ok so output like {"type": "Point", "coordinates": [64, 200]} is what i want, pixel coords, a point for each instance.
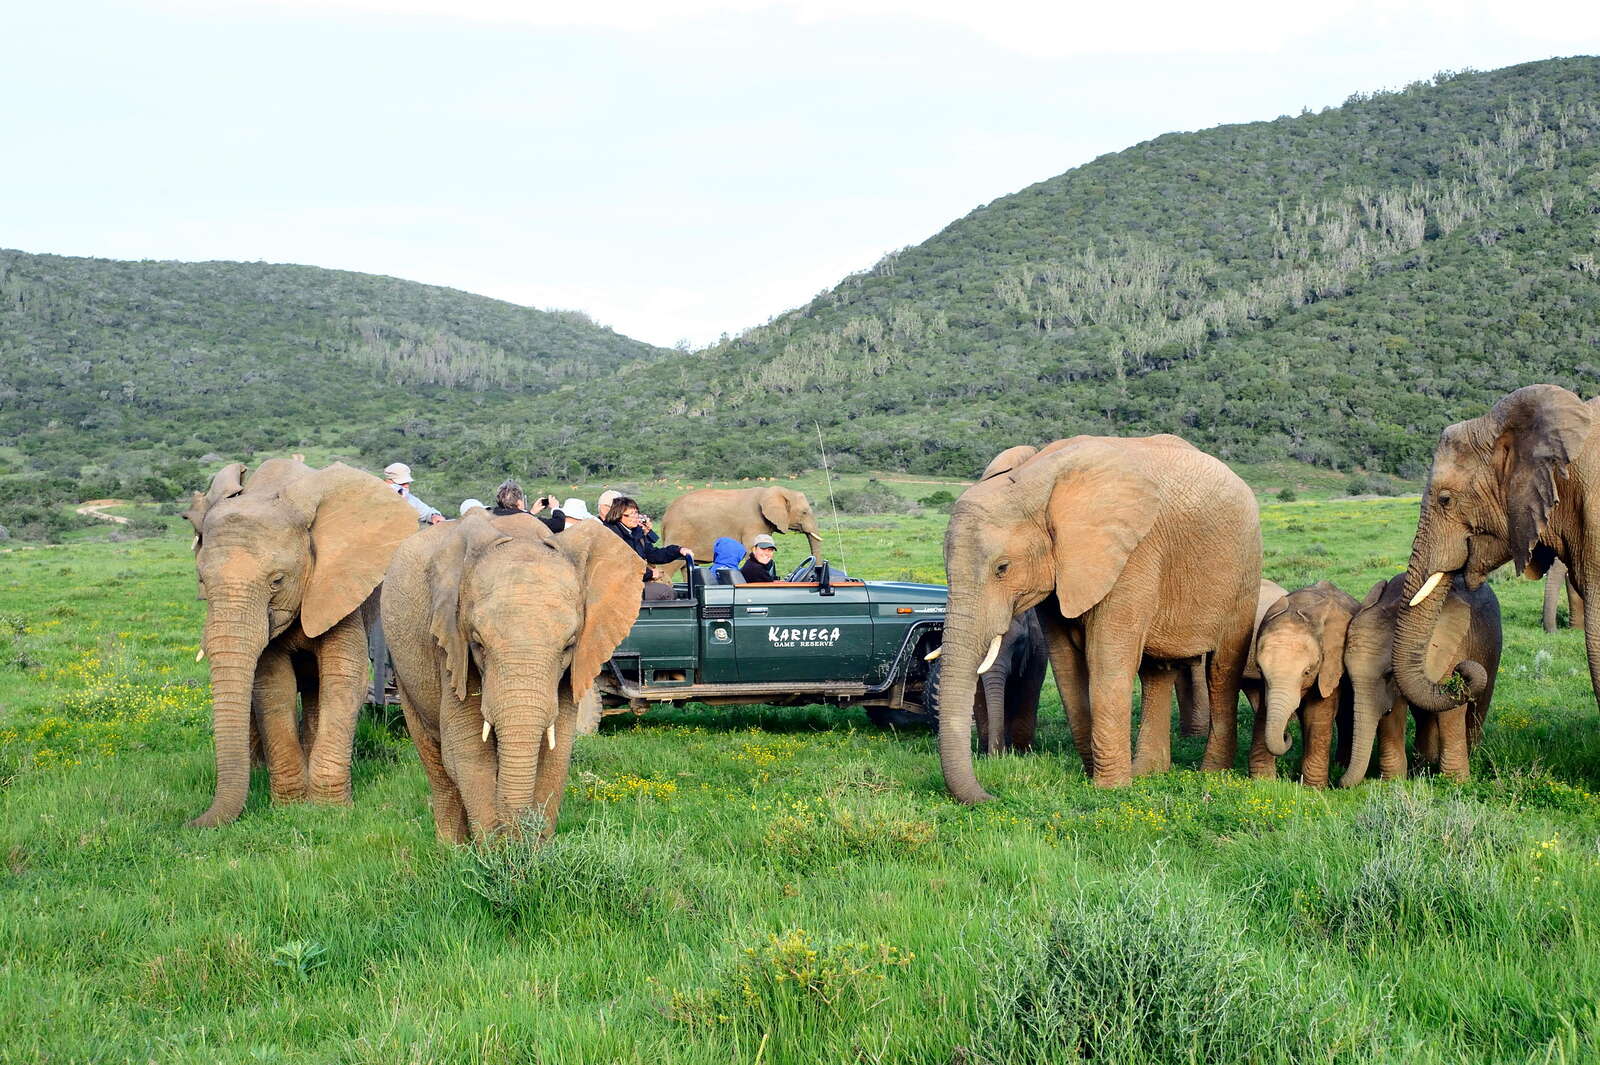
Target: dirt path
{"type": "Point", "coordinates": [95, 508]}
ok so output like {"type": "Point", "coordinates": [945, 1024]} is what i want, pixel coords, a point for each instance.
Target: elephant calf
{"type": "Point", "coordinates": [1465, 638]}
{"type": "Point", "coordinates": [1007, 708]}
{"type": "Point", "coordinates": [1298, 657]}
{"type": "Point", "coordinates": [498, 628]}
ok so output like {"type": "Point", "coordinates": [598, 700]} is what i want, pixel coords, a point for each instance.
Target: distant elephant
{"type": "Point", "coordinates": [1520, 484]}
{"type": "Point", "coordinates": [1007, 706]}
{"type": "Point", "coordinates": [1298, 658]}
{"type": "Point", "coordinates": [1554, 581]}
{"type": "Point", "coordinates": [695, 519]}
{"type": "Point", "coordinates": [1467, 631]}
{"type": "Point", "coordinates": [286, 556]}
{"type": "Point", "coordinates": [498, 628]}
{"type": "Point", "coordinates": [1151, 545]}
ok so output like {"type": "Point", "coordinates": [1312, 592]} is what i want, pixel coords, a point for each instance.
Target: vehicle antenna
{"type": "Point", "coordinates": [837, 536]}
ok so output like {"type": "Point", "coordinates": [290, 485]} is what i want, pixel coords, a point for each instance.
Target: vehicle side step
{"type": "Point", "coordinates": [696, 691]}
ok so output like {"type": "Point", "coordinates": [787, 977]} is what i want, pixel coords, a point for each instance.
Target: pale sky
{"type": "Point", "coordinates": [677, 170]}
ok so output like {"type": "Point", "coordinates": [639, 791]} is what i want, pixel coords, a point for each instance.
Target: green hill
{"type": "Point", "coordinates": [1330, 288]}
{"type": "Point", "coordinates": [118, 378]}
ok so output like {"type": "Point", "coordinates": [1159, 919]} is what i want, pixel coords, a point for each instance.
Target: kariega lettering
{"type": "Point", "coordinates": [818, 637]}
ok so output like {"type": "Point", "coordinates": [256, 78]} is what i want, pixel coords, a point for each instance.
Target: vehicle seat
{"type": "Point", "coordinates": [697, 579]}
{"type": "Point", "coordinates": [730, 576]}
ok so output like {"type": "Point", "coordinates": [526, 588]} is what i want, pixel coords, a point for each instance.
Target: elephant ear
{"type": "Point", "coordinates": [225, 484]}
{"type": "Point", "coordinates": [610, 578]}
{"type": "Point", "coordinates": [1336, 612]}
{"type": "Point", "coordinates": [355, 524]}
{"type": "Point", "coordinates": [1447, 645]}
{"type": "Point", "coordinates": [1541, 429]}
{"type": "Point", "coordinates": [1008, 460]}
{"type": "Point", "coordinates": [774, 504]}
{"type": "Point", "coordinates": [1374, 594]}
{"type": "Point", "coordinates": [1100, 504]}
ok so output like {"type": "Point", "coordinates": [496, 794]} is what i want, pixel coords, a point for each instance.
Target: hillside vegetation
{"type": "Point", "coordinates": [1330, 288]}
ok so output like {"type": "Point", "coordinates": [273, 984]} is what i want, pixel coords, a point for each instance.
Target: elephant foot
{"type": "Point", "coordinates": [288, 793]}
{"type": "Point", "coordinates": [208, 820]}
{"type": "Point", "coordinates": [331, 794]}
{"type": "Point", "coordinates": [1143, 767]}
{"type": "Point", "coordinates": [1263, 770]}
{"type": "Point", "coordinates": [1120, 777]}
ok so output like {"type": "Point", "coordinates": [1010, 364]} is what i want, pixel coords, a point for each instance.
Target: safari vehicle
{"type": "Point", "coordinates": [815, 637]}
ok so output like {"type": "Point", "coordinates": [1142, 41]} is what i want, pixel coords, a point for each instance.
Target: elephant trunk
{"type": "Point", "coordinates": [1413, 630]}
{"type": "Point", "coordinates": [958, 680]}
{"type": "Point", "coordinates": [1282, 700]}
{"type": "Point", "coordinates": [1368, 712]}
{"type": "Point", "coordinates": [235, 635]}
{"type": "Point", "coordinates": [520, 700]}
{"type": "Point", "coordinates": [994, 697]}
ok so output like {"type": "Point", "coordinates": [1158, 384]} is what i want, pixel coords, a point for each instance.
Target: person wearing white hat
{"type": "Point", "coordinates": [468, 504]}
{"type": "Point", "coordinates": [576, 510]}
{"type": "Point", "coordinates": [398, 476]}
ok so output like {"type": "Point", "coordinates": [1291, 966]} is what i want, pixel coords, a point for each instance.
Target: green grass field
{"type": "Point", "coordinates": [761, 885]}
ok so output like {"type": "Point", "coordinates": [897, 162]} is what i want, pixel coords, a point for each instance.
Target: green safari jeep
{"type": "Point", "coordinates": [816, 637]}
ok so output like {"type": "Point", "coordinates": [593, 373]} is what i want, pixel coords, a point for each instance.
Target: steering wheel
{"type": "Point", "coordinates": [803, 572]}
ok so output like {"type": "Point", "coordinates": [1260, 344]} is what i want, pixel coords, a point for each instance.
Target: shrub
{"type": "Point", "coordinates": [941, 498]}
{"type": "Point", "coordinates": [1287, 495]}
{"type": "Point", "coordinates": [1133, 974]}
{"type": "Point", "coordinates": [874, 497]}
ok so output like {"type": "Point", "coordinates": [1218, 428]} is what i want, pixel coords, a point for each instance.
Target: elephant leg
{"type": "Point", "coordinates": [1223, 674]}
{"type": "Point", "coordinates": [1453, 744]}
{"type": "Point", "coordinates": [550, 780]}
{"type": "Point", "coordinates": [469, 759]}
{"type": "Point", "coordinates": [273, 698]}
{"type": "Point", "coordinates": [1575, 606]}
{"type": "Point", "coordinates": [1316, 734]}
{"type": "Point", "coordinates": [1263, 763]}
{"type": "Point", "coordinates": [1022, 708]}
{"type": "Point", "coordinates": [1554, 579]}
{"type": "Point", "coordinates": [449, 818]}
{"type": "Point", "coordinates": [1591, 642]}
{"type": "Point", "coordinates": [1154, 754]}
{"type": "Point", "coordinates": [341, 689]}
{"type": "Point", "coordinates": [1392, 742]}
{"type": "Point", "coordinates": [1072, 681]}
{"type": "Point", "coordinates": [1113, 663]}
{"type": "Point", "coordinates": [1194, 711]}
{"type": "Point", "coordinates": [1427, 738]}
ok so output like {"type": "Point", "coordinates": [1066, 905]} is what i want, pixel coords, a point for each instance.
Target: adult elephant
{"type": "Point", "coordinates": [1151, 545]}
{"type": "Point", "coordinates": [1466, 638]}
{"type": "Point", "coordinates": [286, 556]}
{"type": "Point", "coordinates": [498, 628]}
{"type": "Point", "coordinates": [1517, 484]}
{"type": "Point", "coordinates": [1298, 658]}
{"type": "Point", "coordinates": [695, 519]}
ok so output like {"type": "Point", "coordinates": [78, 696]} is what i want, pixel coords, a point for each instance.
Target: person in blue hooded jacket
{"type": "Point", "coordinates": [726, 553]}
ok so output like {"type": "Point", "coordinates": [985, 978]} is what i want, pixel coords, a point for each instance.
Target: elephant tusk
{"type": "Point", "coordinates": [486, 732]}
{"type": "Point", "coordinates": [931, 655]}
{"type": "Point", "coordinates": [550, 735]}
{"type": "Point", "coordinates": [198, 655]}
{"type": "Point", "coordinates": [1427, 588]}
{"type": "Point", "coordinates": [988, 659]}
{"type": "Point", "coordinates": [196, 545]}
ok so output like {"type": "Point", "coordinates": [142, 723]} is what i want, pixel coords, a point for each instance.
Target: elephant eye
{"type": "Point", "coordinates": [1001, 568]}
{"type": "Point", "coordinates": [1444, 499]}
{"type": "Point", "coordinates": [278, 579]}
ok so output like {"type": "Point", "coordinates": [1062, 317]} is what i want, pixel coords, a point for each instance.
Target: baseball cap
{"type": "Point", "coordinates": [607, 496]}
{"type": "Point", "coordinates": [398, 472]}
{"type": "Point", "coordinates": [763, 541]}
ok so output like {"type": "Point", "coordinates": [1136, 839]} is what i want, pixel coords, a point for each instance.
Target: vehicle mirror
{"type": "Point", "coordinates": [824, 579]}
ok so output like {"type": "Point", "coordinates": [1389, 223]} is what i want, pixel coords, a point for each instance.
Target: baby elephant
{"type": "Point", "coordinates": [498, 628]}
{"type": "Point", "coordinates": [1465, 640]}
{"type": "Point", "coordinates": [1007, 707]}
{"type": "Point", "coordinates": [1298, 656]}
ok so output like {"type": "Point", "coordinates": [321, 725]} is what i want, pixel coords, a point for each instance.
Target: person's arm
{"type": "Point", "coordinates": [660, 556]}
{"type": "Point", "coordinates": [556, 521]}
{"type": "Point", "coordinates": [424, 512]}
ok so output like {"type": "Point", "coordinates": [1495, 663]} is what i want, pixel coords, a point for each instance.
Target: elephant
{"type": "Point", "coordinates": [1298, 660]}
{"type": "Point", "coordinates": [697, 518]}
{"type": "Point", "coordinates": [1515, 484]}
{"type": "Point", "coordinates": [498, 628]}
{"type": "Point", "coordinates": [286, 556]}
{"type": "Point", "coordinates": [1007, 706]}
{"type": "Point", "coordinates": [1150, 546]}
{"type": "Point", "coordinates": [1467, 629]}
{"type": "Point", "coordinates": [1553, 582]}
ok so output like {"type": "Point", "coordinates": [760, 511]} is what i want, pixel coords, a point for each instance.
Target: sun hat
{"type": "Point", "coordinates": [763, 541]}
{"type": "Point", "coordinates": [575, 510]}
{"type": "Point", "coordinates": [398, 472]}
{"type": "Point", "coordinates": [468, 504]}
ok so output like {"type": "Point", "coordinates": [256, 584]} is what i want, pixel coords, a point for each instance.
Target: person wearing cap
{"type": "Point", "coordinates": [604, 503]}
{"type": "Point", "coordinates": [623, 519]}
{"type": "Point", "coordinates": [759, 568]}
{"type": "Point", "coordinates": [398, 476]}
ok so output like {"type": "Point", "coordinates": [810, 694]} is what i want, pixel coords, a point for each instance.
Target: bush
{"type": "Point", "coordinates": [941, 498]}
{"type": "Point", "coordinates": [1132, 974]}
{"type": "Point", "coordinates": [1287, 495]}
{"type": "Point", "coordinates": [874, 497]}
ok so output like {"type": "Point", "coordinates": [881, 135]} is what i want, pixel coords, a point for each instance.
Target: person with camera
{"type": "Point", "coordinates": [509, 498]}
{"type": "Point", "coordinates": [625, 519]}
